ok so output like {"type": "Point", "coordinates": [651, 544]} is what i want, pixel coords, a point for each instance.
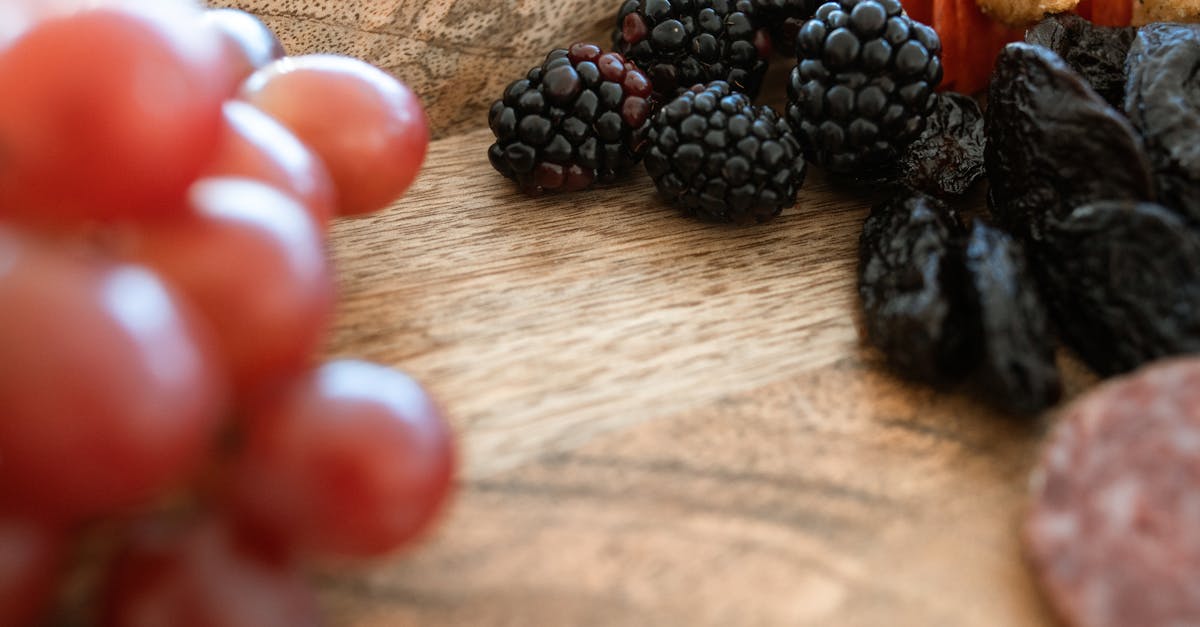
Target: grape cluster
{"type": "Point", "coordinates": [167, 185]}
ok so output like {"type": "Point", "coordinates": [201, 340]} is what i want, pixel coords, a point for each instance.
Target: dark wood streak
{"type": "Point", "coordinates": [671, 469]}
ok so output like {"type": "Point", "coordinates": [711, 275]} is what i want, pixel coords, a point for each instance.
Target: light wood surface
{"type": "Point", "coordinates": [666, 422]}
{"type": "Point", "coordinates": [662, 422]}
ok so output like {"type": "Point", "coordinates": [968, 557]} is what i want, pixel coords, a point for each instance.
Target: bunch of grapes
{"type": "Point", "coordinates": [167, 177]}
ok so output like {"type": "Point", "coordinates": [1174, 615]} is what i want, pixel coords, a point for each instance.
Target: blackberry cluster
{"type": "Point", "coordinates": [720, 158]}
{"type": "Point", "coordinates": [579, 118]}
{"type": "Point", "coordinates": [680, 43]}
{"type": "Point", "coordinates": [784, 19]}
{"type": "Point", "coordinates": [863, 85]}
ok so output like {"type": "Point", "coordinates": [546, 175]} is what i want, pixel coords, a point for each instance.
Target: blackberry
{"type": "Point", "coordinates": [784, 19]}
{"type": "Point", "coordinates": [863, 84]}
{"type": "Point", "coordinates": [680, 43]}
{"type": "Point", "coordinates": [722, 159]}
{"type": "Point", "coordinates": [579, 118]}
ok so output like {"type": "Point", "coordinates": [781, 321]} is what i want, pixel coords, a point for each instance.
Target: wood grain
{"type": "Point", "coordinates": [667, 422]}
{"type": "Point", "coordinates": [662, 422]}
{"type": "Point", "coordinates": [554, 321]}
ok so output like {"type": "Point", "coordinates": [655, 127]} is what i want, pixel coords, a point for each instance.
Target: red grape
{"type": "Point", "coordinates": [254, 145]}
{"type": "Point", "coordinates": [202, 577]}
{"type": "Point", "coordinates": [31, 555]}
{"type": "Point", "coordinates": [251, 43]}
{"type": "Point", "coordinates": [15, 19]}
{"type": "Point", "coordinates": [162, 255]}
{"type": "Point", "coordinates": [367, 127]}
{"type": "Point", "coordinates": [17, 16]}
{"type": "Point", "coordinates": [108, 113]}
{"type": "Point", "coordinates": [253, 262]}
{"type": "Point", "coordinates": [109, 389]}
{"type": "Point", "coordinates": [350, 459]}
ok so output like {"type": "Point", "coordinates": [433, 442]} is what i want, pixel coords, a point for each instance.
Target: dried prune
{"type": "Point", "coordinates": [1053, 144]}
{"type": "Point", "coordinates": [911, 287]}
{"type": "Point", "coordinates": [1017, 371]}
{"type": "Point", "coordinates": [1097, 53]}
{"type": "Point", "coordinates": [948, 156]}
{"type": "Point", "coordinates": [1122, 281]}
{"type": "Point", "coordinates": [1163, 101]}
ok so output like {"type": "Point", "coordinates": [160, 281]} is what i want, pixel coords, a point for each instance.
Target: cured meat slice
{"type": "Point", "coordinates": [1113, 533]}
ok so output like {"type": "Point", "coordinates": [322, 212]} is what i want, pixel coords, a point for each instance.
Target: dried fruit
{"type": "Point", "coordinates": [1054, 144]}
{"type": "Point", "coordinates": [911, 286]}
{"type": "Point", "coordinates": [1017, 371]}
{"type": "Point", "coordinates": [863, 85]}
{"type": "Point", "coordinates": [1116, 12]}
{"type": "Point", "coordinates": [1122, 280]}
{"type": "Point", "coordinates": [948, 156]}
{"type": "Point", "coordinates": [680, 43]}
{"type": "Point", "coordinates": [722, 159]}
{"type": "Point", "coordinates": [921, 11]}
{"type": "Point", "coordinates": [970, 43]}
{"type": "Point", "coordinates": [1163, 102]}
{"type": "Point", "coordinates": [1097, 53]}
{"type": "Point", "coordinates": [943, 306]}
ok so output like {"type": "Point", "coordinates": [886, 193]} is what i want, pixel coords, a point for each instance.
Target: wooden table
{"type": "Point", "coordinates": [665, 422]}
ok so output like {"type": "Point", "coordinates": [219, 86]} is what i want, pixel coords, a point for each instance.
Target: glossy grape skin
{"type": "Point", "coordinates": [31, 560]}
{"type": "Point", "coordinates": [367, 127]}
{"type": "Point", "coordinates": [253, 262]}
{"type": "Point", "coordinates": [18, 16]}
{"type": "Point", "coordinates": [108, 113]}
{"type": "Point", "coordinates": [351, 459]}
{"type": "Point", "coordinates": [202, 576]}
{"type": "Point", "coordinates": [251, 43]}
{"type": "Point", "coordinates": [110, 389]}
{"type": "Point", "coordinates": [255, 145]}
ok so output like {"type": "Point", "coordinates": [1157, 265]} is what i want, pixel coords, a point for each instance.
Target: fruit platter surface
{"type": "Point", "coordinates": [662, 421]}
{"type": "Point", "coordinates": [672, 424]}
{"type": "Point", "coordinates": [599, 313]}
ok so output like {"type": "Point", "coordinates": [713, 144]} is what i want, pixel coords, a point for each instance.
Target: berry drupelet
{"type": "Point", "coordinates": [784, 19]}
{"type": "Point", "coordinates": [680, 43]}
{"type": "Point", "coordinates": [719, 158]}
{"type": "Point", "coordinates": [863, 85]}
{"type": "Point", "coordinates": [577, 119]}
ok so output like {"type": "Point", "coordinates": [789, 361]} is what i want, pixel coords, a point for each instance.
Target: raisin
{"type": "Point", "coordinates": [948, 156]}
{"type": "Point", "coordinates": [1163, 102]}
{"type": "Point", "coordinates": [1054, 144]}
{"type": "Point", "coordinates": [1097, 53]}
{"type": "Point", "coordinates": [1017, 371]}
{"type": "Point", "coordinates": [911, 288]}
{"type": "Point", "coordinates": [1122, 280]}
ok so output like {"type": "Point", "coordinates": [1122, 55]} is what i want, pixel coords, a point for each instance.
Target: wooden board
{"type": "Point", "coordinates": [665, 422]}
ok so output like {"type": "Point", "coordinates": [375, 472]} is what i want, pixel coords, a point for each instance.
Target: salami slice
{"type": "Point", "coordinates": [1113, 533]}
